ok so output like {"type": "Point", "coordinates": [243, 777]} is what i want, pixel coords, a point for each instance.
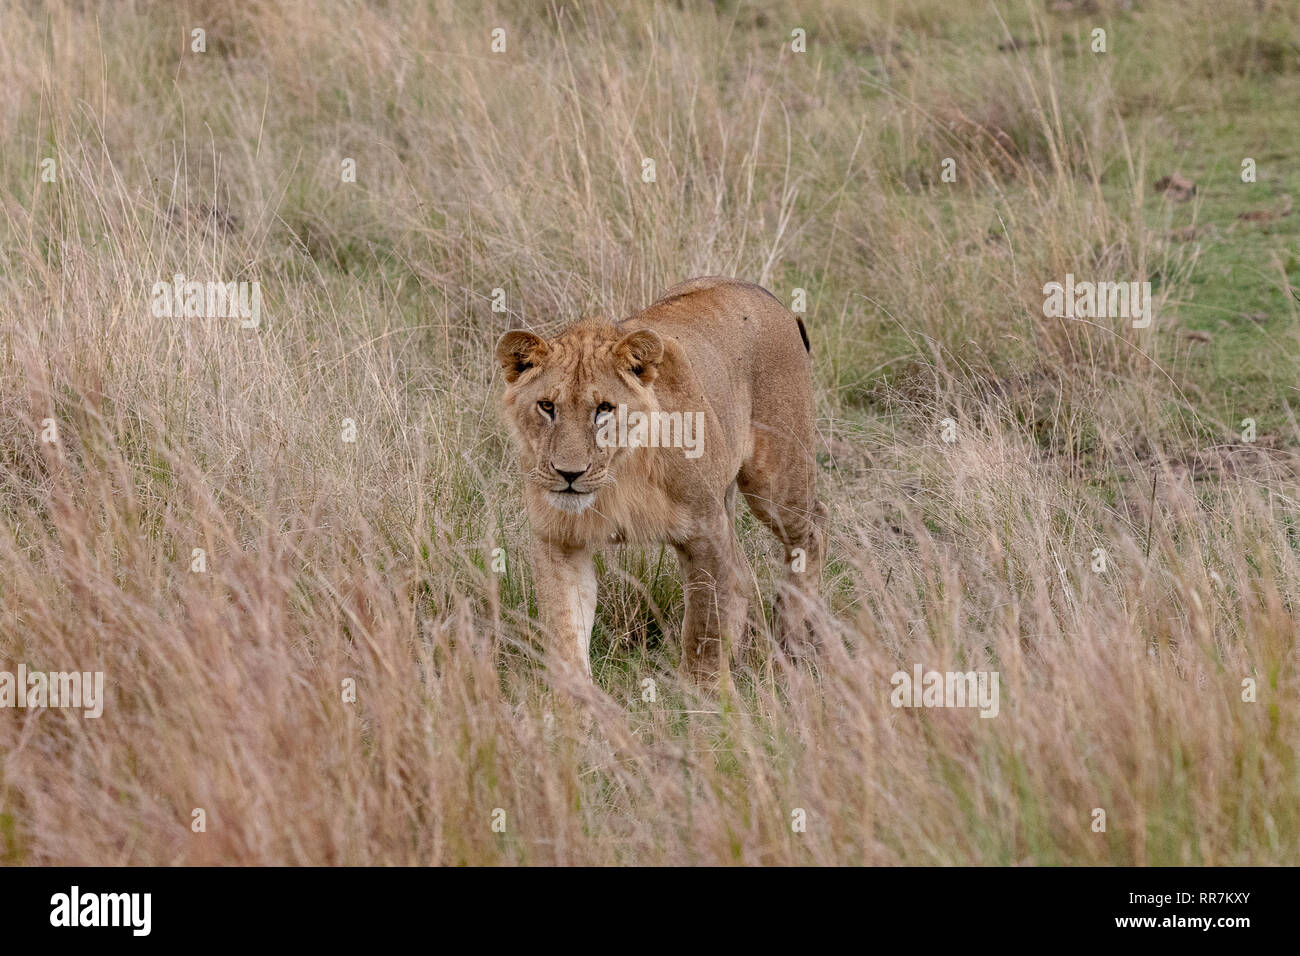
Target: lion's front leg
{"type": "Point", "coordinates": [717, 605]}
{"type": "Point", "coordinates": [566, 602]}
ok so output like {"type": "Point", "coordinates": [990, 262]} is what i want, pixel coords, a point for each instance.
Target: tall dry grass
{"type": "Point", "coordinates": [328, 561]}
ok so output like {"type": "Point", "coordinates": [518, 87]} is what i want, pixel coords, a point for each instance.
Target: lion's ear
{"type": "Point", "coordinates": [640, 353]}
{"type": "Point", "coordinates": [519, 351]}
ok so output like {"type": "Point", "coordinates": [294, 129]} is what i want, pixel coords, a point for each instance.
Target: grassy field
{"type": "Point", "coordinates": [202, 532]}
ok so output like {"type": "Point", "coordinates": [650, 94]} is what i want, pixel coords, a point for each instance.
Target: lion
{"type": "Point", "coordinates": [643, 431]}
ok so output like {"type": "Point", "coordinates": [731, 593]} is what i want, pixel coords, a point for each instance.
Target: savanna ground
{"type": "Point", "coordinates": [327, 560]}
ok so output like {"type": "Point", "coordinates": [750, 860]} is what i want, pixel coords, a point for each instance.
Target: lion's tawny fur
{"type": "Point", "coordinates": [719, 347]}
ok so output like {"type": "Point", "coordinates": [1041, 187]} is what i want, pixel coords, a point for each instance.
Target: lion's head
{"type": "Point", "coordinates": [559, 393]}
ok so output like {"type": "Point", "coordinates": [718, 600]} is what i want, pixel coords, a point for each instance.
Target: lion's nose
{"type": "Point", "coordinates": [570, 476]}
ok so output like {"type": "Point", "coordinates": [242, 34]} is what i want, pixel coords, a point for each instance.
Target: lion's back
{"type": "Point", "coordinates": [726, 317]}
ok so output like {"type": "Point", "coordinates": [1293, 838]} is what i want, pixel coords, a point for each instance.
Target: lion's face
{"type": "Point", "coordinates": [561, 391]}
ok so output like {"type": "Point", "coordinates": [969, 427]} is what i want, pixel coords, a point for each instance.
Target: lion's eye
{"type": "Point", "coordinates": [547, 407]}
{"type": "Point", "coordinates": [604, 408]}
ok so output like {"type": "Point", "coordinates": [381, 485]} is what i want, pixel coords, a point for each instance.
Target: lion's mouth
{"type": "Point", "coordinates": [571, 499]}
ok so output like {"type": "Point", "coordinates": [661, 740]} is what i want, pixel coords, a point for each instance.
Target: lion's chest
{"type": "Point", "coordinates": [642, 516]}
